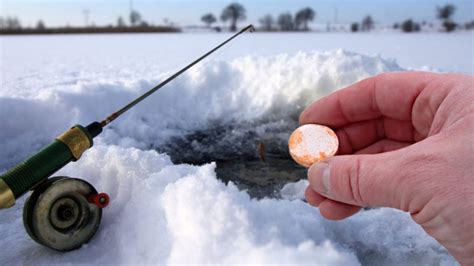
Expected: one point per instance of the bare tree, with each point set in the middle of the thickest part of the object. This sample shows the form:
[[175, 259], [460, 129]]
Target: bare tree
[[12, 23], [444, 14], [120, 22], [469, 25], [40, 25], [135, 17], [304, 16], [355, 27], [450, 25], [285, 21], [267, 22], [2, 23], [233, 12], [367, 24], [208, 19], [410, 26]]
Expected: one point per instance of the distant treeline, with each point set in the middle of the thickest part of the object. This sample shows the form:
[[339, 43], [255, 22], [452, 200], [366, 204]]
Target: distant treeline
[[233, 13], [12, 26], [444, 14], [285, 22], [299, 21], [78, 30]]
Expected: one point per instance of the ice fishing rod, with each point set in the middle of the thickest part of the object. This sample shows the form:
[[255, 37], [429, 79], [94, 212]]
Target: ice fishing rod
[[113, 116], [63, 213]]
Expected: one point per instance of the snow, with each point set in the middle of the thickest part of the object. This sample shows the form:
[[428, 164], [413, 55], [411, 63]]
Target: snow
[[164, 213], [167, 213]]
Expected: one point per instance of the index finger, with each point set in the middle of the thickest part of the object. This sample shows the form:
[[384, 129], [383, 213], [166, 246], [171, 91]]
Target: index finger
[[386, 95]]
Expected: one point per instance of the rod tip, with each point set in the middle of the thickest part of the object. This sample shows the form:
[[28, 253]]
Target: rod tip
[[251, 28]]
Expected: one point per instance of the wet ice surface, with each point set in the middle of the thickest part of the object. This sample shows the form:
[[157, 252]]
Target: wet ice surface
[[237, 155], [165, 210], [260, 179]]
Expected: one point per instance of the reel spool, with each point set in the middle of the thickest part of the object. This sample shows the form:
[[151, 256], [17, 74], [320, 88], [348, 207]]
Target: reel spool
[[63, 213]]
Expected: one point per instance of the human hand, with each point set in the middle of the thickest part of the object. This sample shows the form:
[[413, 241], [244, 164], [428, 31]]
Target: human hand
[[406, 142]]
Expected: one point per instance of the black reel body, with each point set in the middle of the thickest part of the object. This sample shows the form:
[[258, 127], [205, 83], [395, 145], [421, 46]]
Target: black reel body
[[63, 213]]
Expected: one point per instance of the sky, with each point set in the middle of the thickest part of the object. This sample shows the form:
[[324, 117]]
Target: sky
[[189, 12]]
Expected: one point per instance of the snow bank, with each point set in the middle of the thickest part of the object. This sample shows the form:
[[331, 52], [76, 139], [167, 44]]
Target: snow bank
[[259, 94], [167, 213]]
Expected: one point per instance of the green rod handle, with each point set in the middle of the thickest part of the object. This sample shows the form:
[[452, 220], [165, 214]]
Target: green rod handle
[[66, 148], [37, 168]]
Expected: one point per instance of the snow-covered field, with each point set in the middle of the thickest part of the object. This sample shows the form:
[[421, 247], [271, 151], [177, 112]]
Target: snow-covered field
[[252, 91]]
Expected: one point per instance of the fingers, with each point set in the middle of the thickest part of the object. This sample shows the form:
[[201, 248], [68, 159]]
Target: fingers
[[373, 116], [313, 198], [334, 210], [330, 209], [391, 95], [383, 146], [361, 180], [359, 135]]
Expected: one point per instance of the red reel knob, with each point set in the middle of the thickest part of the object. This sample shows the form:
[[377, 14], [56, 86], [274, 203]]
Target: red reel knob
[[101, 200]]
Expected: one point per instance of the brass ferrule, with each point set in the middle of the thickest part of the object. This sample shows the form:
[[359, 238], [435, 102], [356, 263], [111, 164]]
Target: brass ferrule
[[7, 199], [76, 140]]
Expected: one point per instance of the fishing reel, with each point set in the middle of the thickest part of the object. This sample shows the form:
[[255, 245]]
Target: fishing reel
[[63, 213]]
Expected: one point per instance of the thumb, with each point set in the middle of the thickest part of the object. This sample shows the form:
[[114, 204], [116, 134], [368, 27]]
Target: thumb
[[361, 180]]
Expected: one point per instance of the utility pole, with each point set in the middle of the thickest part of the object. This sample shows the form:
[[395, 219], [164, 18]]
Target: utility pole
[[130, 12], [86, 13]]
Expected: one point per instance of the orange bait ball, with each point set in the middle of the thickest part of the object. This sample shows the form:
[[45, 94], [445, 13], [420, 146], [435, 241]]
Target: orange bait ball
[[312, 143]]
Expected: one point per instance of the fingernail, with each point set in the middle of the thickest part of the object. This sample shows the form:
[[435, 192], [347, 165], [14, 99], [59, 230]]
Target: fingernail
[[319, 175]]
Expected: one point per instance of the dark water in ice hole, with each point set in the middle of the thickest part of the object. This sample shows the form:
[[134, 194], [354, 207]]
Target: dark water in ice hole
[[235, 149], [260, 179]]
